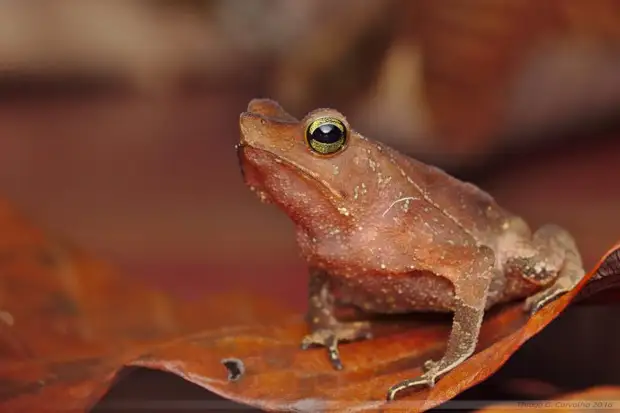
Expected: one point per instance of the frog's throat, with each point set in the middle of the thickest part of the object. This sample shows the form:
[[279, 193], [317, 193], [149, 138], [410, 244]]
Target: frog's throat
[[295, 168]]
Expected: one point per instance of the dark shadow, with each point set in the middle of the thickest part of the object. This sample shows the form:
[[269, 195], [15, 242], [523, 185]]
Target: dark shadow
[[141, 390]]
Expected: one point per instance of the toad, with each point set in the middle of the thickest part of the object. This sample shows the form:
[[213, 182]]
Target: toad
[[389, 234]]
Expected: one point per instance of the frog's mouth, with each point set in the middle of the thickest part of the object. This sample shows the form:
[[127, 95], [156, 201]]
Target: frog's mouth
[[251, 173], [259, 165]]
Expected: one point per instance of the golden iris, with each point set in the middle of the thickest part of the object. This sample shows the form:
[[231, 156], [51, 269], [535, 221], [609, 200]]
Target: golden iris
[[326, 135]]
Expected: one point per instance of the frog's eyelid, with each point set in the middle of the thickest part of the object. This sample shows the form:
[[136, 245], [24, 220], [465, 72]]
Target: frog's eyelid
[[320, 121]]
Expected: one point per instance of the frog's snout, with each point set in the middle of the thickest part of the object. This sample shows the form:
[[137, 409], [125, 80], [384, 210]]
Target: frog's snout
[[243, 128], [250, 126]]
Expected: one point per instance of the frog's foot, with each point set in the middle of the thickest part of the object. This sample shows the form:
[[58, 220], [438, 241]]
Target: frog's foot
[[569, 277], [534, 303], [425, 381], [429, 365], [556, 240], [461, 344], [330, 337]]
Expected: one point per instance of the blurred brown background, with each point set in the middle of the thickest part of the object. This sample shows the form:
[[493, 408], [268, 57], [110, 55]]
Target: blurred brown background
[[118, 119]]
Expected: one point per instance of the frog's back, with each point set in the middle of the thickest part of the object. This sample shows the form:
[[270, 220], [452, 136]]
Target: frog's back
[[470, 207]]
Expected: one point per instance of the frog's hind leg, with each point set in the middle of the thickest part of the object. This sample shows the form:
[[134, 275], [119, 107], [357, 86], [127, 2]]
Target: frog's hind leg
[[471, 292], [555, 243]]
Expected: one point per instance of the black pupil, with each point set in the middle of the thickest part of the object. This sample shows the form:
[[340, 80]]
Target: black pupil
[[327, 133]]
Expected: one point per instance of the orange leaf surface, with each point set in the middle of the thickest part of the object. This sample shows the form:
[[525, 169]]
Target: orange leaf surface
[[68, 324]]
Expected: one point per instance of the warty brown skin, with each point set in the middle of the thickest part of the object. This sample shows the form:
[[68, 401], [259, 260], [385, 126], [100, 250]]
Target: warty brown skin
[[389, 234]]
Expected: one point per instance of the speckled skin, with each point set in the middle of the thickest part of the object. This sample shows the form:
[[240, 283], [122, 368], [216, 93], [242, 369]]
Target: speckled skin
[[389, 234]]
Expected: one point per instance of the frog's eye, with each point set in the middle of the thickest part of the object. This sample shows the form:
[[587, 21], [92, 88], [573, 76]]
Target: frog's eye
[[326, 136]]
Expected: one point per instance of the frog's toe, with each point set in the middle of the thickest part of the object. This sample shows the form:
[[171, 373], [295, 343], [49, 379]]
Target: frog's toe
[[425, 381], [532, 305], [536, 302], [331, 336], [429, 365], [327, 339], [310, 340]]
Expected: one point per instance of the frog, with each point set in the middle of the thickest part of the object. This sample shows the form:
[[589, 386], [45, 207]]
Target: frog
[[388, 234]]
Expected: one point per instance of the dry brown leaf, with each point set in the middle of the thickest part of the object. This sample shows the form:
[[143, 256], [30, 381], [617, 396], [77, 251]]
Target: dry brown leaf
[[69, 324], [279, 376]]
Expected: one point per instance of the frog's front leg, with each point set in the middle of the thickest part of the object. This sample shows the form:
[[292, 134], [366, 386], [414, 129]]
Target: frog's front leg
[[326, 330], [556, 248], [470, 293]]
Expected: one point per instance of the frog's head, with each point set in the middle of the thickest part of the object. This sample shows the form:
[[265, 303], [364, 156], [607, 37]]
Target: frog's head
[[321, 172]]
